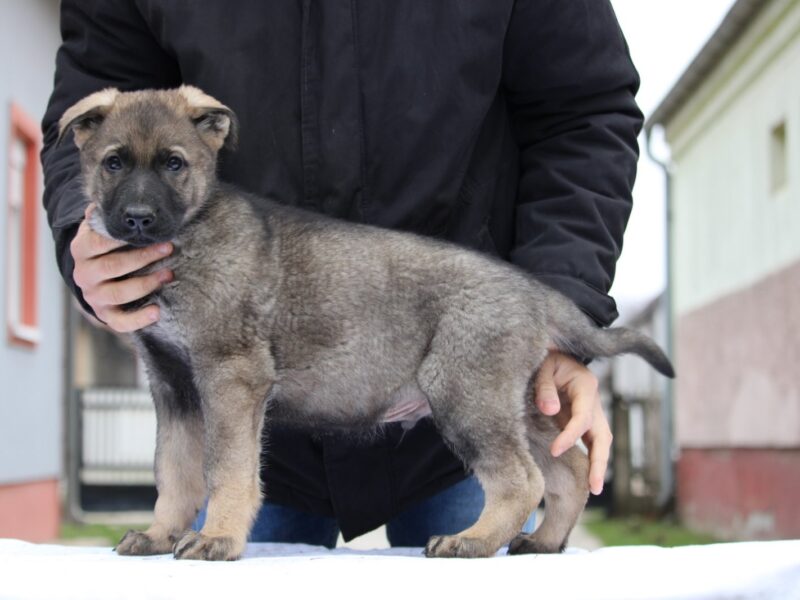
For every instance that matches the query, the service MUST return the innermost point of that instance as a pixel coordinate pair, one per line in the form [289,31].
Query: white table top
[276,571]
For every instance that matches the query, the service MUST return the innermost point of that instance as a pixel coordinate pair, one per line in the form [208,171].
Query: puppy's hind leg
[512,487]
[481,417]
[566,490]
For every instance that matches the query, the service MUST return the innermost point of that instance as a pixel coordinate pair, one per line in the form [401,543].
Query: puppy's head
[148,158]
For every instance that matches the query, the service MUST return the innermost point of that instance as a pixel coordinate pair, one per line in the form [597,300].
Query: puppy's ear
[85,116]
[216,123]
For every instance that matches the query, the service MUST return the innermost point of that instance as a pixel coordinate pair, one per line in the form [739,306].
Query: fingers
[546,392]
[100,274]
[91,271]
[116,293]
[108,298]
[578,425]
[586,420]
[581,388]
[88,243]
[124,322]
[95,261]
[598,439]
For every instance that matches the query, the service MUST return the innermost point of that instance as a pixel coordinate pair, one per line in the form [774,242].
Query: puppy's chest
[200,290]
[207,305]
[186,317]
[172,324]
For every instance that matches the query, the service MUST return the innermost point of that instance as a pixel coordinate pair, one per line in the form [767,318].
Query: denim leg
[282,524]
[448,512]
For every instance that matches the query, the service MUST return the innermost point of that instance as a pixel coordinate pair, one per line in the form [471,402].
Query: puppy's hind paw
[528,544]
[196,546]
[455,546]
[138,543]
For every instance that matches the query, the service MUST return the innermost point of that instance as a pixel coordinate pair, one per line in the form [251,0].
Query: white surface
[744,570]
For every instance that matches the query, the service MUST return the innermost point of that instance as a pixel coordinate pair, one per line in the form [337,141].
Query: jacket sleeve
[570,85]
[105,43]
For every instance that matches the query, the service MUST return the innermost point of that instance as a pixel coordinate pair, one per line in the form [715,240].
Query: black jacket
[505,126]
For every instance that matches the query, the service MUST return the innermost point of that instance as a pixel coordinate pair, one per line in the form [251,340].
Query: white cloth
[744,570]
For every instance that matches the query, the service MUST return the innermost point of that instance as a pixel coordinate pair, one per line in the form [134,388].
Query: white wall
[730,228]
[30,379]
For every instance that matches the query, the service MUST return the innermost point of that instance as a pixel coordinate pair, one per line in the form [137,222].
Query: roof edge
[736,21]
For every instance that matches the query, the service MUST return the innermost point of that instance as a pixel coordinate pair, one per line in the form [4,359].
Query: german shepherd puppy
[327,323]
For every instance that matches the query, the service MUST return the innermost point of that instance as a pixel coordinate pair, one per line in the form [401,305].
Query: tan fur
[200,103]
[197,98]
[511,495]
[99,102]
[179,481]
[234,420]
[567,490]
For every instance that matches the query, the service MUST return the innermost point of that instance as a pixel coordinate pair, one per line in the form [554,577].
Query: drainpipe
[72,440]
[669,451]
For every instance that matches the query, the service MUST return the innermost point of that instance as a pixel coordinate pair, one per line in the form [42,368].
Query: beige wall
[738,368]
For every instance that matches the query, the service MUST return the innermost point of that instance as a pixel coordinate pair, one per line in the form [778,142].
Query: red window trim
[24,330]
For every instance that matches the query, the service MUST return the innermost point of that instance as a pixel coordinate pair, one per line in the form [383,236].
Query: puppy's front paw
[196,546]
[138,543]
[454,546]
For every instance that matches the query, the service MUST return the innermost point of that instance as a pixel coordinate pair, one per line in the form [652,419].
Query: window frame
[22,279]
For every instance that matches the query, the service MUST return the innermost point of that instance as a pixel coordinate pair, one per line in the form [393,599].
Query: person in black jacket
[505,126]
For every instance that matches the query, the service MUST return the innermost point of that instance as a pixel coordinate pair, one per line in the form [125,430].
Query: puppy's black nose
[139,218]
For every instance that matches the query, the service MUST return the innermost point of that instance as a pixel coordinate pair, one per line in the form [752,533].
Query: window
[777,157]
[22,249]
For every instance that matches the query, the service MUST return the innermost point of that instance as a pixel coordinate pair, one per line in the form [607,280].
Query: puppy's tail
[572,332]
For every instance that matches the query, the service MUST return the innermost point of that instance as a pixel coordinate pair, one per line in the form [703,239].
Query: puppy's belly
[338,407]
[408,404]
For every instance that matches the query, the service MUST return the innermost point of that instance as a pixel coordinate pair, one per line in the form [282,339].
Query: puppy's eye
[174,163]
[113,162]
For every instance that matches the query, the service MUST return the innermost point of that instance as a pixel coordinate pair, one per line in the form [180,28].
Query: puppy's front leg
[178,470]
[233,392]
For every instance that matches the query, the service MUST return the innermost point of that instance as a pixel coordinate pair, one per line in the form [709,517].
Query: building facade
[732,123]
[31,345]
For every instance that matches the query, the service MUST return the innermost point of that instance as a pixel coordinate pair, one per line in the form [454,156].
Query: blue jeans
[448,512]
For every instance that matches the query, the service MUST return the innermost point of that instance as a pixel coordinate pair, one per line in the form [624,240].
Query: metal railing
[118,437]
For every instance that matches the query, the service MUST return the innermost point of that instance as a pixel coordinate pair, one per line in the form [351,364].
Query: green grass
[110,533]
[629,531]
[638,531]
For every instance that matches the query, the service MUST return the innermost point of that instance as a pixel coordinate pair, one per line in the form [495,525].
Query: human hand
[98,270]
[568,390]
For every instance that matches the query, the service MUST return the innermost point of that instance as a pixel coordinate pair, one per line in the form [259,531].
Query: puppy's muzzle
[143,211]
